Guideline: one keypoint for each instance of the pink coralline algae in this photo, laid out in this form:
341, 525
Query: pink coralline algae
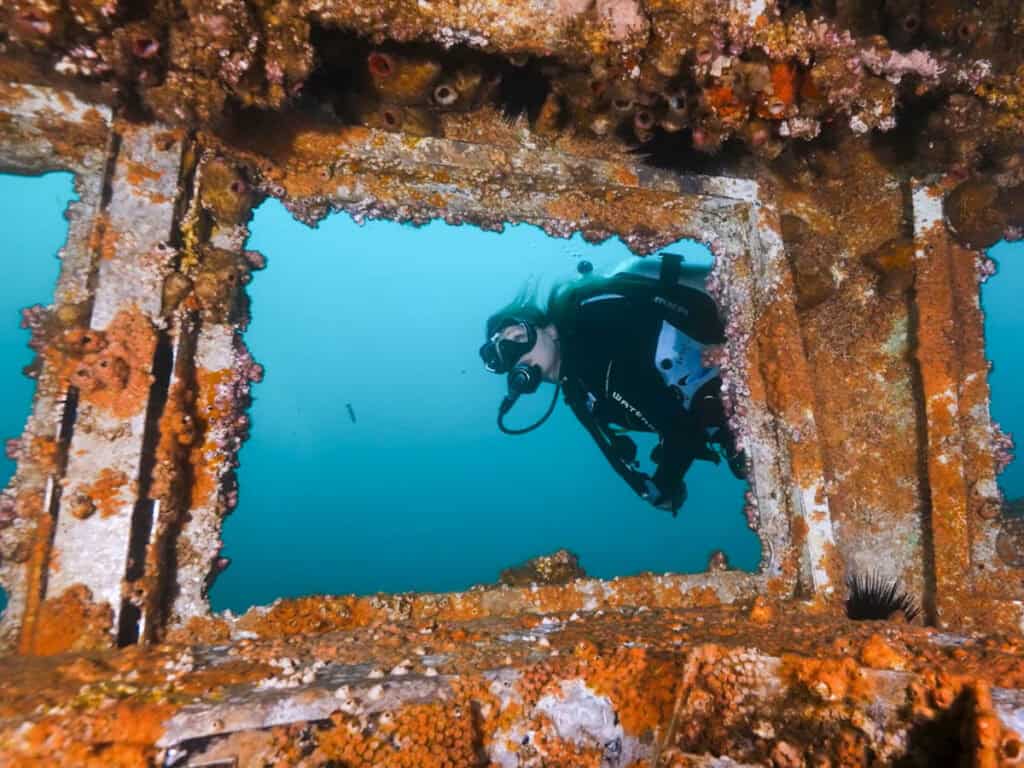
624, 17
732, 357
896, 65
1003, 447
12, 448
750, 510
984, 267
8, 510
36, 319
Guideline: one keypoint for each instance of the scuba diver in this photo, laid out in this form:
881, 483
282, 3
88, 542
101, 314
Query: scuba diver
626, 350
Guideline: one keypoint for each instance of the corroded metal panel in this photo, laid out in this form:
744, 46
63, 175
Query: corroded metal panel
940, 376
100, 499
29, 143
790, 399
369, 173
43, 129
964, 506
616, 686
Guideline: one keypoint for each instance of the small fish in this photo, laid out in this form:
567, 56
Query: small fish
351, 413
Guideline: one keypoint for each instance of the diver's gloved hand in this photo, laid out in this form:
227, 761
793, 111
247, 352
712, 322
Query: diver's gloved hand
669, 499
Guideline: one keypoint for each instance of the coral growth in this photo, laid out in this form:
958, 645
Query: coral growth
826, 110
72, 622
619, 687
110, 368
721, 78
559, 567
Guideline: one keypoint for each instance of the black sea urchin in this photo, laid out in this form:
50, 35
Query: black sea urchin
874, 597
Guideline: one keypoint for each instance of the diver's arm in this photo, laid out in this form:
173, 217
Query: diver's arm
639, 482
682, 439
608, 330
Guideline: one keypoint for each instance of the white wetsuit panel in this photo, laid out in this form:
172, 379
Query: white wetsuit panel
685, 370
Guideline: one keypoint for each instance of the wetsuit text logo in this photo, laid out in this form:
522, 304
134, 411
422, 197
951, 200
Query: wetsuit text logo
674, 307
625, 404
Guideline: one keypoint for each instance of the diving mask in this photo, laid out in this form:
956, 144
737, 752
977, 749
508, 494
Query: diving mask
500, 354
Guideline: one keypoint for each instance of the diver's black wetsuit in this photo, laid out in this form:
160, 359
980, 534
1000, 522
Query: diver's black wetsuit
610, 375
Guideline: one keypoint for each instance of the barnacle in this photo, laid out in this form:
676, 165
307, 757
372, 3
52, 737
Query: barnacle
401, 79
225, 192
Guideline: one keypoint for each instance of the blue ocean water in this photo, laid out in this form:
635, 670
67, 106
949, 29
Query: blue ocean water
1004, 329
32, 229
421, 491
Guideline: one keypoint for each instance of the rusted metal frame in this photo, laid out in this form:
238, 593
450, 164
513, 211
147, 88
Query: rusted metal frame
963, 495
28, 143
199, 540
26, 147
942, 378
740, 274
726, 214
984, 497
792, 409
219, 367
101, 551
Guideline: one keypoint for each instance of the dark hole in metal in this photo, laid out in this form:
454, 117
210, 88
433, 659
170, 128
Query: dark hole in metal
108, 174
128, 624
145, 507
380, 64
65, 429
67, 424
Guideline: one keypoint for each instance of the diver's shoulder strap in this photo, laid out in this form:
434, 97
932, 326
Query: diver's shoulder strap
671, 270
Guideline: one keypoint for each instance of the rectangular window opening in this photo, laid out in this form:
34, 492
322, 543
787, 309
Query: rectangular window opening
374, 462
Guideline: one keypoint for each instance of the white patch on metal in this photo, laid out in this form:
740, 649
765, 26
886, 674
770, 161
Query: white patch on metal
215, 349
819, 534
1009, 706
94, 551
749, 9
37, 98
581, 716
927, 205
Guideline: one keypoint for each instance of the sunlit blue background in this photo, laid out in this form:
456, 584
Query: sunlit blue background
1004, 334
422, 492
32, 229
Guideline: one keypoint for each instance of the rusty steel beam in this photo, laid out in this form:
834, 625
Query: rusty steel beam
964, 499
103, 522
32, 141
221, 369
